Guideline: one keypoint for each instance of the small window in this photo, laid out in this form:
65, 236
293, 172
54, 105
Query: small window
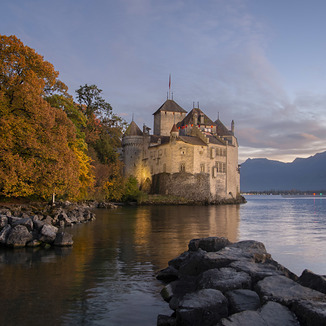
182, 167
214, 172
202, 168
164, 167
212, 152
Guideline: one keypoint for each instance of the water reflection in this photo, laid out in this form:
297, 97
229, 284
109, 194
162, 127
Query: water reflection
110, 268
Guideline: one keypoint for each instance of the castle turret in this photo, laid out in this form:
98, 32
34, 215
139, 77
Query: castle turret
132, 145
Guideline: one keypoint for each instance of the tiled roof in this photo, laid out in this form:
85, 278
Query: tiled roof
189, 119
214, 140
133, 130
221, 130
170, 106
192, 140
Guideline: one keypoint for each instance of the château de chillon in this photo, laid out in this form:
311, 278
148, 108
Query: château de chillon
188, 155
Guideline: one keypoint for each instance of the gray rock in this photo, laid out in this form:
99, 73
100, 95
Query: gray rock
26, 221
208, 244
242, 299
204, 307
193, 264
244, 318
63, 239
4, 234
48, 233
19, 236
224, 279
167, 274
285, 291
178, 289
252, 249
313, 281
3, 221
13, 219
38, 224
257, 271
34, 243
177, 262
5, 211
163, 320
310, 312
271, 314
47, 220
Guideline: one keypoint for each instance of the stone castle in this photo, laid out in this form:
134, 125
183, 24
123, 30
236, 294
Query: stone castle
188, 155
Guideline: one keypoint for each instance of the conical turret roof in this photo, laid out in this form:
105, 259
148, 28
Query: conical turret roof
133, 130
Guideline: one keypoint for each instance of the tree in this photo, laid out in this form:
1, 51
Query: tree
36, 140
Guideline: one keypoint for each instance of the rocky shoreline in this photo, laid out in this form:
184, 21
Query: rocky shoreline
217, 282
37, 224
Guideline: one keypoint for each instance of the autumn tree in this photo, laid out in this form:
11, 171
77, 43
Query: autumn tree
103, 134
37, 155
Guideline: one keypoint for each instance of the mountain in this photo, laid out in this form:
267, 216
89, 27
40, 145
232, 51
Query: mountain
261, 174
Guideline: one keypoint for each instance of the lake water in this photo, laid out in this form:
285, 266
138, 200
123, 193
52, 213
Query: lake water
108, 276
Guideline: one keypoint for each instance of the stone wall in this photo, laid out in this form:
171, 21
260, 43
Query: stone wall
190, 186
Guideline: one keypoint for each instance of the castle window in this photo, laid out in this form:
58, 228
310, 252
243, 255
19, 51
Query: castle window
218, 153
213, 152
214, 172
183, 151
164, 167
183, 167
202, 168
160, 152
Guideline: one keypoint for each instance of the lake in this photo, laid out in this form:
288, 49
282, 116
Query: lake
108, 276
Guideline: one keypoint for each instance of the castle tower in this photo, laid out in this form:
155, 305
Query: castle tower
166, 116
132, 145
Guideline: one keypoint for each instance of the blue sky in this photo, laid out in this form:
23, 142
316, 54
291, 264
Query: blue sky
259, 62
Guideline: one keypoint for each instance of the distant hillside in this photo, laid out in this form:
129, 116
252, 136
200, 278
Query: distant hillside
302, 174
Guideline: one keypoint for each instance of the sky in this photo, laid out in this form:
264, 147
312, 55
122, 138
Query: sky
260, 63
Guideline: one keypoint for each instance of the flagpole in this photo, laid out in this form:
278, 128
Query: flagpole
169, 85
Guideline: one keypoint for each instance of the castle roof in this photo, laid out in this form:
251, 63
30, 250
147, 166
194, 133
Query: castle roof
221, 130
192, 140
189, 119
174, 128
133, 130
170, 106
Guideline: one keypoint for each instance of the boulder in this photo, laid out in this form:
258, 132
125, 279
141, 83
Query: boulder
4, 234
204, 307
38, 224
18, 236
163, 320
209, 244
252, 249
167, 274
224, 279
63, 239
48, 233
285, 291
313, 281
271, 314
242, 299
26, 221
3, 221
310, 312
177, 262
178, 289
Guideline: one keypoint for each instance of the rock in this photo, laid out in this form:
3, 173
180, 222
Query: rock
271, 314
178, 289
257, 271
163, 320
177, 262
310, 312
63, 239
3, 221
5, 211
38, 224
242, 299
47, 220
19, 236
193, 264
4, 234
26, 221
204, 307
208, 244
34, 243
252, 249
167, 274
285, 291
224, 279
48, 233
313, 281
